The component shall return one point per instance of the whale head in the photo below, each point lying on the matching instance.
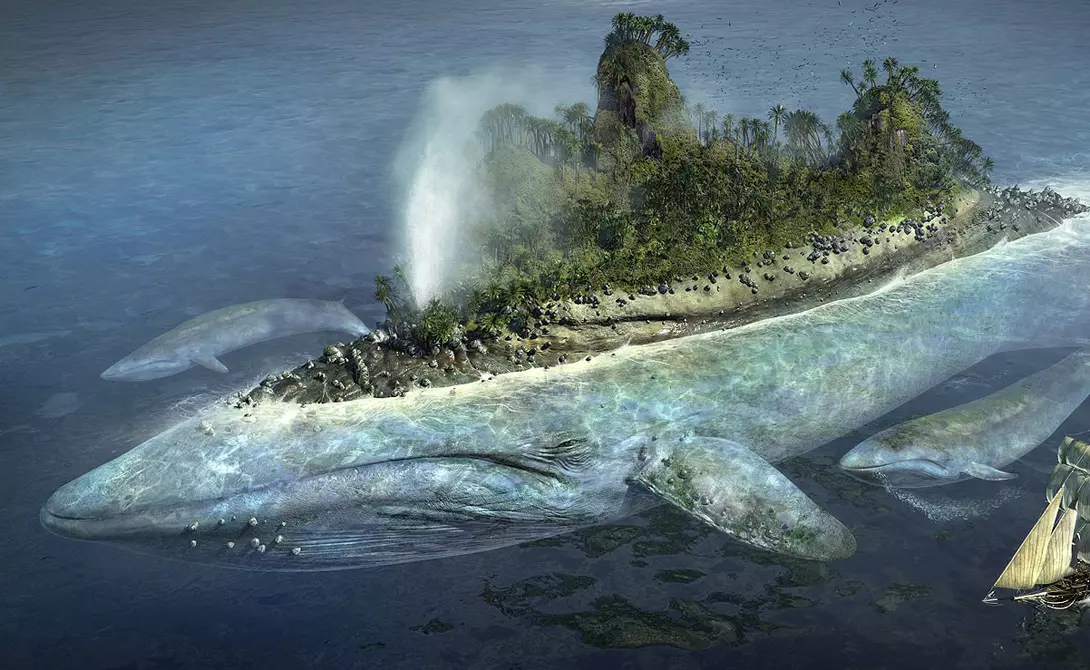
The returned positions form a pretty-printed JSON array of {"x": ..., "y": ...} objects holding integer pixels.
[
  {"x": 278, "y": 488},
  {"x": 139, "y": 367},
  {"x": 897, "y": 473},
  {"x": 903, "y": 456}
]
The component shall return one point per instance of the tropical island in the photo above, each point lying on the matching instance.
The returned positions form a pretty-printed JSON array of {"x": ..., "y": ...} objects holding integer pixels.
[{"x": 647, "y": 220}]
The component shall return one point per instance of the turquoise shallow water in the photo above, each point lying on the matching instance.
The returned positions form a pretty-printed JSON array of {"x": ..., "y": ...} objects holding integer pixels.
[{"x": 158, "y": 160}]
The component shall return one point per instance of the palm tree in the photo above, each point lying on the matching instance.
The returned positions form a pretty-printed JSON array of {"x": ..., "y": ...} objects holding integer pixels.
[
  {"x": 394, "y": 299},
  {"x": 578, "y": 115},
  {"x": 562, "y": 110},
  {"x": 627, "y": 27},
  {"x": 728, "y": 127},
  {"x": 713, "y": 129},
  {"x": 776, "y": 116},
  {"x": 489, "y": 130},
  {"x": 699, "y": 111},
  {"x": 666, "y": 32},
  {"x": 764, "y": 131},
  {"x": 802, "y": 127},
  {"x": 870, "y": 73},
  {"x": 849, "y": 125},
  {"x": 792, "y": 130},
  {"x": 986, "y": 165},
  {"x": 848, "y": 78},
  {"x": 494, "y": 323},
  {"x": 384, "y": 293},
  {"x": 622, "y": 23},
  {"x": 495, "y": 293},
  {"x": 813, "y": 128},
  {"x": 533, "y": 132},
  {"x": 938, "y": 122},
  {"x": 890, "y": 66},
  {"x": 569, "y": 146},
  {"x": 827, "y": 134}
]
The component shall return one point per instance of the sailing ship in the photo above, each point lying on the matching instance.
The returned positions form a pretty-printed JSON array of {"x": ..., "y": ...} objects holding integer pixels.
[{"x": 1052, "y": 565}]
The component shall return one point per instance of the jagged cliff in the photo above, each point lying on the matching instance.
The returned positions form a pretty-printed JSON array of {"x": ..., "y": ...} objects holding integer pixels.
[{"x": 637, "y": 93}]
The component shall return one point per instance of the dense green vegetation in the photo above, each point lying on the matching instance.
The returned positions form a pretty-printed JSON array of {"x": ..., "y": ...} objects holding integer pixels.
[{"x": 645, "y": 188}]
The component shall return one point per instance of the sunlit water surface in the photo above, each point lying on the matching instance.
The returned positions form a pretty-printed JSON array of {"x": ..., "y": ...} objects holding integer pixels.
[{"x": 159, "y": 160}]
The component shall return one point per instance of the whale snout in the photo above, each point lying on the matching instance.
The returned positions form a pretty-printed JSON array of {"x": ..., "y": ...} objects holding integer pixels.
[
  {"x": 114, "y": 373},
  {"x": 130, "y": 369},
  {"x": 69, "y": 512},
  {"x": 857, "y": 459},
  {"x": 112, "y": 501}
]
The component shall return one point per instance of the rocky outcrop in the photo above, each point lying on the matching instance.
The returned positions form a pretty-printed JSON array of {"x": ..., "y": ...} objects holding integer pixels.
[
  {"x": 636, "y": 91},
  {"x": 829, "y": 267}
]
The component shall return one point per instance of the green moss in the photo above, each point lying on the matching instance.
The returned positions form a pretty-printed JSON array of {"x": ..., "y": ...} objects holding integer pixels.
[
  {"x": 801, "y": 539},
  {"x": 614, "y": 622},
  {"x": 593, "y": 542},
  {"x": 670, "y": 532},
  {"x": 434, "y": 626},
  {"x": 897, "y": 594},
  {"x": 517, "y": 600},
  {"x": 679, "y": 576},
  {"x": 640, "y": 85}
]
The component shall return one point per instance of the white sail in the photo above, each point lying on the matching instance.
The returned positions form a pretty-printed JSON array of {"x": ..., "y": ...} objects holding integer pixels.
[
  {"x": 1057, "y": 563},
  {"x": 1027, "y": 563}
]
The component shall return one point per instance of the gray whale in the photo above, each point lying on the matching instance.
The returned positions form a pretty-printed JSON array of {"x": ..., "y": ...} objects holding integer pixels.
[{"x": 200, "y": 340}]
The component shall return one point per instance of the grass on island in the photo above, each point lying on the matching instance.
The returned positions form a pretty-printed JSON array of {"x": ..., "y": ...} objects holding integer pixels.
[{"x": 646, "y": 188}]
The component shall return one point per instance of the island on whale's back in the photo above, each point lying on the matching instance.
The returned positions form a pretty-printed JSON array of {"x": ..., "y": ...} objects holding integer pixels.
[{"x": 649, "y": 220}]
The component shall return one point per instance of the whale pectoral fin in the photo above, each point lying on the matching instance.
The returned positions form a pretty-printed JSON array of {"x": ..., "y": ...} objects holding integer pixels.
[
  {"x": 734, "y": 490},
  {"x": 210, "y": 362},
  {"x": 981, "y": 471}
]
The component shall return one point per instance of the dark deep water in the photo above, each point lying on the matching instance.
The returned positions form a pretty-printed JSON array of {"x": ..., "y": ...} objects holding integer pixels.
[{"x": 158, "y": 160}]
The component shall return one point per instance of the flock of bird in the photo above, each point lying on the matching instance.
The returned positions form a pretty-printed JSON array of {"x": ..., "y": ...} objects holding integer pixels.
[{"x": 758, "y": 60}]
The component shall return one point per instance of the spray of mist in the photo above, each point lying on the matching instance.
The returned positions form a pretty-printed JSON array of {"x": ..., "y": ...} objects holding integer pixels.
[{"x": 437, "y": 165}]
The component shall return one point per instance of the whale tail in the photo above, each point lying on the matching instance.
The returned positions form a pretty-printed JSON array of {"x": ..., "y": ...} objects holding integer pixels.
[{"x": 352, "y": 324}]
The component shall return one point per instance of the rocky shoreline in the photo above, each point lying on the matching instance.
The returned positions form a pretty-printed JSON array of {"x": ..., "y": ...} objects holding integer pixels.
[{"x": 780, "y": 282}]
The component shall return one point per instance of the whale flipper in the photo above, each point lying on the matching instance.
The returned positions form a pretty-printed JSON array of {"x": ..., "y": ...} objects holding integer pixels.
[
  {"x": 734, "y": 490},
  {"x": 986, "y": 472},
  {"x": 210, "y": 362}
]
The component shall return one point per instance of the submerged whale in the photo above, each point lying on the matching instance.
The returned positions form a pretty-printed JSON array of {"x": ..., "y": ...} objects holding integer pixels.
[
  {"x": 697, "y": 422},
  {"x": 975, "y": 439},
  {"x": 201, "y": 339}
]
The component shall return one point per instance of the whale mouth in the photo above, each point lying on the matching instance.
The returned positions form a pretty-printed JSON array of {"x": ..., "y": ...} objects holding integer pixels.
[
  {"x": 908, "y": 473},
  {"x": 68, "y": 525},
  {"x": 75, "y": 522}
]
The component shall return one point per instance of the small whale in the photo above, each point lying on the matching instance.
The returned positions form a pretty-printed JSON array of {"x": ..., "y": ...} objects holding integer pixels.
[
  {"x": 202, "y": 339},
  {"x": 975, "y": 439},
  {"x": 28, "y": 338},
  {"x": 58, "y": 405}
]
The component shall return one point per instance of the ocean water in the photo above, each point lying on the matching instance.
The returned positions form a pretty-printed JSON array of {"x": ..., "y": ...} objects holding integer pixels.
[{"x": 158, "y": 160}]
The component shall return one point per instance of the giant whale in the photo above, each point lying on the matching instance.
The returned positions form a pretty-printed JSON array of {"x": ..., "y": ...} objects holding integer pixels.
[{"x": 698, "y": 422}]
